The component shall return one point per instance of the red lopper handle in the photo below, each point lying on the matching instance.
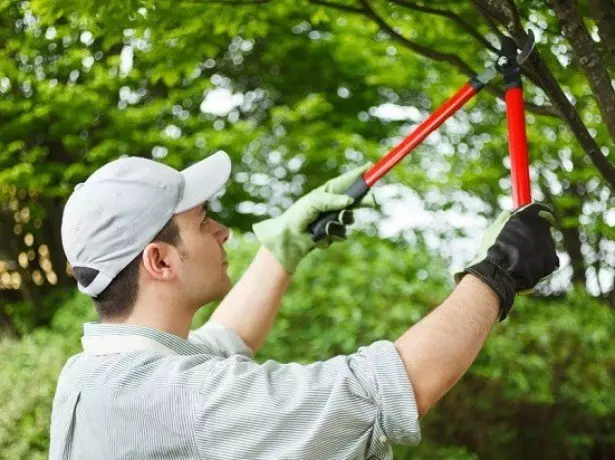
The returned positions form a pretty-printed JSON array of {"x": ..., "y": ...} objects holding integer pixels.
[
  {"x": 517, "y": 141},
  {"x": 427, "y": 126}
]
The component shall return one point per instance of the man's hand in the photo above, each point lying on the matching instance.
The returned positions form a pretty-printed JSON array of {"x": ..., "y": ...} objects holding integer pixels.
[
  {"x": 287, "y": 236},
  {"x": 516, "y": 252}
]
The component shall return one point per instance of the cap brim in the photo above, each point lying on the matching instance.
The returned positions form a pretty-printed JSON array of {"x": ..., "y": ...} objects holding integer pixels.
[{"x": 203, "y": 180}]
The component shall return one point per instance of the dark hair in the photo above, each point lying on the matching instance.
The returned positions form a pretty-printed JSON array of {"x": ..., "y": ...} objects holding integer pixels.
[{"x": 118, "y": 299}]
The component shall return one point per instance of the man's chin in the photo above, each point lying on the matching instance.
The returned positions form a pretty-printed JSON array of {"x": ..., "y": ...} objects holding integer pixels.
[
  {"x": 224, "y": 287},
  {"x": 227, "y": 285}
]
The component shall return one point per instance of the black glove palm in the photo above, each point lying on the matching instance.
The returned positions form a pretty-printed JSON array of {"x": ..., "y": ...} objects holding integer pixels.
[{"x": 522, "y": 253}]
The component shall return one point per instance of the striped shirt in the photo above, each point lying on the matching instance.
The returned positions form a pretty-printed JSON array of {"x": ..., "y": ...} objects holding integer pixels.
[{"x": 141, "y": 393}]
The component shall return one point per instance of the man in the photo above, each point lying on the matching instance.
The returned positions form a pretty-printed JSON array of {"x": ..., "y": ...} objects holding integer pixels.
[{"x": 140, "y": 242}]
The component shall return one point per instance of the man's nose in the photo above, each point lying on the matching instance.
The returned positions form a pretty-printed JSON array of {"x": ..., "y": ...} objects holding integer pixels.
[{"x": 222, "y": 232}]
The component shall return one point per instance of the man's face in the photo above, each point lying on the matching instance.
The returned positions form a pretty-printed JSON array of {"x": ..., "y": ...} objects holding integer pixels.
[{"x": 203, "y": 271}]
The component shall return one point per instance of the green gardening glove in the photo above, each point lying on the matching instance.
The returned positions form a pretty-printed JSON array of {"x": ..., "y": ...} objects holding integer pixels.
[
  {"x": 287, "y": 236},
  {"x": 516, "y": 252}
]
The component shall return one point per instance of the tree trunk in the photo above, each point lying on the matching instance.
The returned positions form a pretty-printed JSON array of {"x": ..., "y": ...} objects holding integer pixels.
[
  {"x": 7, "y": 326},
  {"x": 572, "y": 244},
  {"x": 569, "y": 113},
  {"x": 571, "y": 235},
  {"x": 590, "y": 61},
  {"x": 603, "y": 12}
]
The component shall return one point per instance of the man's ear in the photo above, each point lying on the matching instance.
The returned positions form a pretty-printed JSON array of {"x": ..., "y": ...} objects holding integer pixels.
[{"x": 160, "y": 261}]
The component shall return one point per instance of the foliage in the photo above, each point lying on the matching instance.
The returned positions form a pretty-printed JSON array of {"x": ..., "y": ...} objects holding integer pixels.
[
  {"x": 28, "y": 379},
  {"x": 83, "y": 83},
  {"x": 543, "y": 387}
]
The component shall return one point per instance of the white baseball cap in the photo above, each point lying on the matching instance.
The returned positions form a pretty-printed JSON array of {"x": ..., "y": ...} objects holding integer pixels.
[{"x": 110, "y": 218}]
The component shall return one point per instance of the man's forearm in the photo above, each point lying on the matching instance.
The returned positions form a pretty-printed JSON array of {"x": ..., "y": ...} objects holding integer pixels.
[
  {"x": 252, "y": 305},
  {"x": 439, "y": 349}
]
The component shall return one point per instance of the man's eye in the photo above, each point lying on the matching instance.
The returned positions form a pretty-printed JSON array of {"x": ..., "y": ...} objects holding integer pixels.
[{"x": 204, "y": 222}]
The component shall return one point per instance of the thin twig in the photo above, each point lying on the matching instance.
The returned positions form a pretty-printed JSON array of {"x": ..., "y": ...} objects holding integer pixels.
[{"x": 420, "y": 49}]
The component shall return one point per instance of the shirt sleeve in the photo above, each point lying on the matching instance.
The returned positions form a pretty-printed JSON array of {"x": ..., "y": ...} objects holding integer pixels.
[
  {"x": 352, "y": 406},
  {"x": 219, "y": 340}
]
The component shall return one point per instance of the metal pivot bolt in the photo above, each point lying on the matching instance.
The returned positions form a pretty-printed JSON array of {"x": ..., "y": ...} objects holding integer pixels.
[{"x": 502, "y": 61}]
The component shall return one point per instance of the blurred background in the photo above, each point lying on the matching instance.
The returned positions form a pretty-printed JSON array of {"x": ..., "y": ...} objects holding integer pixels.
[{"x": 297, "y": 92}]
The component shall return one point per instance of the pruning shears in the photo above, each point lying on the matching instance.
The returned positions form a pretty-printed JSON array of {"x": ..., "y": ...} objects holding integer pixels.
[{"x": 508, "y": 63}]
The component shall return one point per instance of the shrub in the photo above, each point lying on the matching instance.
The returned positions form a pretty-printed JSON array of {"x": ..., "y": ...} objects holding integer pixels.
[{"x": 542, "y": 387}]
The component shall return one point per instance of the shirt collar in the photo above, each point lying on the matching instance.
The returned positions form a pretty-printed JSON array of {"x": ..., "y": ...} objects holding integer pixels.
[{"x": 103, "y": 339}]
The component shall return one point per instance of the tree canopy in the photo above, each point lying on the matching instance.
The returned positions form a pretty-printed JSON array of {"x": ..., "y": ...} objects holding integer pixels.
[{"x": 294, "y": 92}]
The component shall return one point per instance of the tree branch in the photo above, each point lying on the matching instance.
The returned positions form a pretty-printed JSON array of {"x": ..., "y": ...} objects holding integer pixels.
[
  {"x": 512, "y": 12},
  {"x": 449, "y": 15},
  {"x": 500, "y": 12},
  {"x": 488, "y": 19},
  {"x": 506, "y": 14},
  {"x": 424, "y": 51},
  {"x": 420, "y": 49},
  {"x": 587, "y": 55},
  {"x": 444, "y": 57},
  {"x": 528, "y": 72}
]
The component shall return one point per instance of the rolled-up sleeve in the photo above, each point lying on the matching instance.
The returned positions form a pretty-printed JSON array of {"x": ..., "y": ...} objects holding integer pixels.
[
  {"x": 352, "y": 406},
  {"x": 219, "y": 340}
]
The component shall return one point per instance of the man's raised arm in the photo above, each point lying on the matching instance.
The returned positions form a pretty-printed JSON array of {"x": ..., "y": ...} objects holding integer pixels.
[
  {"x": 252, "y": 305},
  {"x": 516, "y": 253}
]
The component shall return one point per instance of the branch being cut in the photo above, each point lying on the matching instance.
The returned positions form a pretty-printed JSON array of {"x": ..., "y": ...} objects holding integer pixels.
[
  {"x": 488, "y": 19},
  {"x": 444, "y": 57},
  {"x": 498, "y": 11},
  {"x": 510, "y": 9},
  {"x": 424, "y": 51}
]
